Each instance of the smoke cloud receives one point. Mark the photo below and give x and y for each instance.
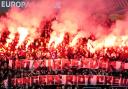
(83, 17)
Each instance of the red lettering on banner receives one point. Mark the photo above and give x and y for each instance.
(43, 63)
(116, 81)
(122, 67)
(19, 81)
(112, 65)
(126, 81)
(69, 79)
(50, 79)
(109, 80)
(35, 79)
(75, 79)
(85, 63)
(66, 63)
(25, 64)
(36, 64)
(103, 64)
(94, 64)
(42, 80)
(126, 66)
(88, 79)
(100, 80)
(81, 79)
(57, 64)
(27, 81)
(13, 81)
(58, 80)
(10, 63)
(50, 63)
(76, 63)
(17, 64)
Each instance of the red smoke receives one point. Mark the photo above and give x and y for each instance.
(79, 18)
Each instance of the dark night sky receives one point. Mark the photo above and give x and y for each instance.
(118, 5)
(3, 10)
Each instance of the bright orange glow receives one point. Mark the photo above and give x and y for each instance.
(23, 32)
(124, 41)
(56, 39)
(10, 39)
(75, 39)
(59, 39)
(110, 41)
(28, 43)
(90, 47)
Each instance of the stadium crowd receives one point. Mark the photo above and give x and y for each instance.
(38, 50)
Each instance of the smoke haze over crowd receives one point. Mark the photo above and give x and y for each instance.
(80, 18)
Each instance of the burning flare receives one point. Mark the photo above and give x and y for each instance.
(23, 32)
(56, 39)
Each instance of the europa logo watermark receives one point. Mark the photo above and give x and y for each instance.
(12, 3)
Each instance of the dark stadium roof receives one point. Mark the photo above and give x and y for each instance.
(117, 6)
